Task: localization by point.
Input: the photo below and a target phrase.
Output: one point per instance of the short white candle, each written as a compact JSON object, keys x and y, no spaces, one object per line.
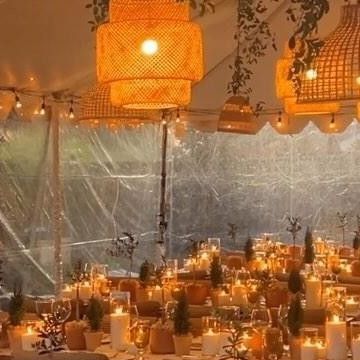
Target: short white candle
{"x":223,"y":299}
{"x":308,"y":350}
{"x":29,"y":339}
{"x":239,"y":294}
{"x":355,"y":347}
{"x":120,"y":325}
{"x":210,"y":343}
{"x":336,"y":347}
{"x":313,"y":293}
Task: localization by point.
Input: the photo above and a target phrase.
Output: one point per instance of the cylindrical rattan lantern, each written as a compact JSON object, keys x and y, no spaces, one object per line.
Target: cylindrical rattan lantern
{"x":150,"y":53}
{"x":332,"y":84}
{"x":96,"y":110}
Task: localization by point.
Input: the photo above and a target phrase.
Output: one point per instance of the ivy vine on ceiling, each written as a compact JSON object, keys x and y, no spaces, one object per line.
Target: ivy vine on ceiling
{"x":254,"y":35}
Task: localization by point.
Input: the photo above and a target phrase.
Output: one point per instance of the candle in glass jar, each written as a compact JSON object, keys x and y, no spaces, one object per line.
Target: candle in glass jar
{"x":313,"y":293}
{"x":29,"y":339}
{"x":210,"y":343}
{"x":308,"y":350}
{"x":120,"y":325}
{"x":204,"y":262}
{"x":223,"y":298}
{"x":85,"y":291}
{"x":336,"y":346}
{"x":355,"y":347}
{"x":239,"y":294}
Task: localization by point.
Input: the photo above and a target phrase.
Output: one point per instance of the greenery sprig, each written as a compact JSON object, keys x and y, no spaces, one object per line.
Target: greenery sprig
{"x":309,"y":255}
{"x":294,"y":227}
{"x":356,"y":240}
{"x":234,"y":351}
{"x":216,"y":272}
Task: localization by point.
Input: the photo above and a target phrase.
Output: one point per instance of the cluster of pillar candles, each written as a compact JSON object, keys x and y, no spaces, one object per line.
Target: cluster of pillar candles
{"x":319,"y":294}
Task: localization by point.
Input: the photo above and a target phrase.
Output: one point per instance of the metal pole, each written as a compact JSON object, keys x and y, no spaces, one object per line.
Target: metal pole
{"x":162,"y":214}
{"x":56,"y":204}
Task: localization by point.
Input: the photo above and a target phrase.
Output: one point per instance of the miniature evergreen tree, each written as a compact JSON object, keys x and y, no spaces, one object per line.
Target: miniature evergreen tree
{"x":17,"y":306}
{"x":95,"y":314}
{"x":216,"y":272}
{"x":181,"y":316}
{"x":146,"y":272}
{"x":249,"y":250}
{"x":309,"y":255}
{"x":356,"y":240}
{"x":295,"y":316}
{"x":295,"y":283}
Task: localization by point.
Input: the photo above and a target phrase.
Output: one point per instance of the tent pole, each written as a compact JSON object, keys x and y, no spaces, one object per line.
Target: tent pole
{"x":162,"y":214}
{"x":57,"y":204}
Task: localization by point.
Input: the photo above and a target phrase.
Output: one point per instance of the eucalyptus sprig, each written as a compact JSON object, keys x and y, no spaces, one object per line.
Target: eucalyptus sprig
{"x":125,"y":248}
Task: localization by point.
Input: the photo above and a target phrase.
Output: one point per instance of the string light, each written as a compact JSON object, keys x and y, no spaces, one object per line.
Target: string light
{"x":358,"y":80}
{"x":279,"y":120}
{"x":311,"y":74}
{"x":163,"y":119}
{"x":332,"y":122}
{"x":178,"y":115}
{"x":71,"y":110}
{"x":18,"y":103}
{"x":43,"y":106}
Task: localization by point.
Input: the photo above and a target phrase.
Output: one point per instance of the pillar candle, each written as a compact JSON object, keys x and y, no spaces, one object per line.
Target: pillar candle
{"x":308,"y":351}
{"x":210,"y":343}
{"x":120,"y":325}
{"x":85,"y":291}
{"x":321,"y":350}
{"x":336,"y":347}
{"x":223,"y":299}
{"x":313,"y":293}
{"x":204,"y":262}
{"x":355,"y":347}
{"x":239,"y":295}
{"x":28,"y":339}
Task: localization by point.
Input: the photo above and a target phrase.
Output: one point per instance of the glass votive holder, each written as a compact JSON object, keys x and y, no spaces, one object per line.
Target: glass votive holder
{"x":355,"y":339}
{"x":210,"y":335}
{"x":214,"y":246}
{"x":120,"y":300}
{"x":352,"y":304}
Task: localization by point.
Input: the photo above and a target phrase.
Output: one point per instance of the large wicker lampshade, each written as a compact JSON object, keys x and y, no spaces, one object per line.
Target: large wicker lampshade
{"x":332,"y":84}
{"x":96,"y":110}
{"x":150,"y":53}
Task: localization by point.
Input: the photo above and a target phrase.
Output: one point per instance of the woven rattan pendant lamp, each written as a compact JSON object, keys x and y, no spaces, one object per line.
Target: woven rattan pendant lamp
{"x":150,"y":53}
{"x":332,"y":84}
{"x":96,"y":110}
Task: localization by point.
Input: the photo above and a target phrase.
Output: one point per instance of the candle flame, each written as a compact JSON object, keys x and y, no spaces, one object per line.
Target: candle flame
{"x":29,"y":330}
{"x":119,"y":310}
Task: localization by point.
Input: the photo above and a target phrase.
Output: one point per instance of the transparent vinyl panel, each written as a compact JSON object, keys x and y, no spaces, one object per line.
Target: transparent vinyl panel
{"x":110,"y":183}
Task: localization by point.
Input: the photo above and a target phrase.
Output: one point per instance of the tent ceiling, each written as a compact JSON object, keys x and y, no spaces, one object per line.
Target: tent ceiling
{"x":51,"y":42}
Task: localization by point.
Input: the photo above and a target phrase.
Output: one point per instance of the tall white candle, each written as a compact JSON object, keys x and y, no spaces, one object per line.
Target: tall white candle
{"x":308,"y":351}
{"x":355,"y":347}
{"x":336,"y":347}
{"x":120,"y":325}
{"x":239,"y":295}
{"x":211,"y":343}
{"x":29,"y":339}
{"x":313,"y":293}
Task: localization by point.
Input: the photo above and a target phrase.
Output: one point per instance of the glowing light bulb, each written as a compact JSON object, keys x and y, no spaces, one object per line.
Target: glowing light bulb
{"x":311,"y":74}
{"x":358,"y":80}
{"x":18,"y":103}
{"x":43,"y":107}
{"x":149,"y":47}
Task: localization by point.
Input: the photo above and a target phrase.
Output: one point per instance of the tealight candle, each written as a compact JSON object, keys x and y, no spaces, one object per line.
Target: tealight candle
{"x":120,"y":325}
{"x":210,"y":343}
{"x":29,"y":339}
{"x":336,"y":346}
{"x":223,"y":298}
{"x":313,"y":292}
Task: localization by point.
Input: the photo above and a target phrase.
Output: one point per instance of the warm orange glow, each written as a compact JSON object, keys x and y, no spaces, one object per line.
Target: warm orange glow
{"x":149,"y":60}
{"x":311,"y":74}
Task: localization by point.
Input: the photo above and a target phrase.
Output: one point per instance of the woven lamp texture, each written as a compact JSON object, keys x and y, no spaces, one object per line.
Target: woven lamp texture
{"x":161,"y":78}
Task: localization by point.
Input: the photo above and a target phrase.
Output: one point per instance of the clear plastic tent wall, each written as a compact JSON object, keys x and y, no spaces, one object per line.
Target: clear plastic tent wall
{"x":111,"y":184}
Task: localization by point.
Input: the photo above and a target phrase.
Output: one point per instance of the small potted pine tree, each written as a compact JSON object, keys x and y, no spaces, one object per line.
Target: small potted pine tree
{"x":16,"y":315}
{"x":309,"y":252}
{"x":295,"y":321}
{"x":182,"y":335}
{"x":216,"y":277}
{"x":94,"y":314}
